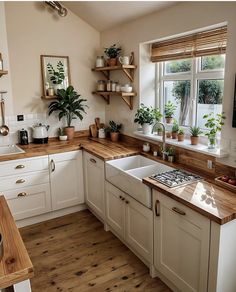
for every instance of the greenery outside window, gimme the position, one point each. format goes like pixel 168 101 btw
pixel 195 85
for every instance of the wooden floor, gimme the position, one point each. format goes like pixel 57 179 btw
pixel 74 253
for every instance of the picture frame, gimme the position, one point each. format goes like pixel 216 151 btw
pixel 55 72
pixel 234 107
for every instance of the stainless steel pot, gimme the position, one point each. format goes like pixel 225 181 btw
pixel 1 246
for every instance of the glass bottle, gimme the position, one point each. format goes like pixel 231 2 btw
pixel 101 85
pixel 109 84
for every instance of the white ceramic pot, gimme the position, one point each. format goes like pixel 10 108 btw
pixel 63 138
pixel 147 129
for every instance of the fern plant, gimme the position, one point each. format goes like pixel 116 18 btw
pixel 68 105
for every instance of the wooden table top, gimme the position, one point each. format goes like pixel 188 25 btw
pixel 15 265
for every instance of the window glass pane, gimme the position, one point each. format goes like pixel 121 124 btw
pixel 178 66
pixel 210 94
pixel 178 92
pixel 213 62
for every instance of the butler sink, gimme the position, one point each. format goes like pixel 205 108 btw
pixel 127 174
pixel 10 149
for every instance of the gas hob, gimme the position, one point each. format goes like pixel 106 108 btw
pixel 174 178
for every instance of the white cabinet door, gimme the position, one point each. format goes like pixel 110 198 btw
pixel 66 175
pixel 94 184
pixel 139 227
pixel 115 209
pixel 181 244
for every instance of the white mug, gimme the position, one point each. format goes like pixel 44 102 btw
pixel 126 60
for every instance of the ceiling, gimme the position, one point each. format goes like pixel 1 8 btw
pixel 104 15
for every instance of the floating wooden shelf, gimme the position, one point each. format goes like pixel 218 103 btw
pixel 49 97
pixel 126 96
pixel 127 69
pixel 3 72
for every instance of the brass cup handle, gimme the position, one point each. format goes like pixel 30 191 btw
pixel 93 160
pixel 177 210
pixel 20 166
pixel 157 212
pixel 23 194
pixel 20 181
pixel 127 202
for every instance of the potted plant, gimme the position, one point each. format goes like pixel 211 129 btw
pixel 70 106
pixel 169 111
pixel 214 124
pixel 181 135
pixel 175 130
pixel 112 53
pixel 145 117
pixel 170 154
pixel 114 130
pixel 195 132
pixel 61 134
pixel 157 117
pixel 56 76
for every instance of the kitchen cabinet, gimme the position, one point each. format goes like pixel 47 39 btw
pixel 94 184
pixel 66 177
pixel 181 244
pixel 25 185
pixel 130 220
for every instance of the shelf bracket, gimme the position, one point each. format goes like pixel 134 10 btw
pixel 106 98
pixel 128 100
pixel 106 74
pixel 129 74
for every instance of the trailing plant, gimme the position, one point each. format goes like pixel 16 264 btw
pixel 144 115
pixel 214 123
pixel 112 51
pixel 169 109
pixel 114 128
pixel 56 76
pixel 68 105
pixel 175 127
pixel 195 131
pixel 181 131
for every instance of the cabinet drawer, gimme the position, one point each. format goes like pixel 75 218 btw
pixel 23 180
pixel 23 165
pixel 93 160
pixel 29 201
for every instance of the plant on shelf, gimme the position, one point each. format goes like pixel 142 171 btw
pixel 194 134
pixel 70 106
pixel 181 135
pixel 214 124
pixel 169 111
pixel 114 130
pixel 145 117
pixel 57 76
pixel 175 130
pixel 112 53
pixel 170 152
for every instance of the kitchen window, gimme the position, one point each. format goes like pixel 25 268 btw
pixel 190 73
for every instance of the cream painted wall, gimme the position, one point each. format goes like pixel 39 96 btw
pixel 180 18
pixel 32 30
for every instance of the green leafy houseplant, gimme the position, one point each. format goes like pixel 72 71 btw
pixel 112 53
pixel 170 152
pixel 145 117
pixel 114 130
pixel 214 125
pixel 194 134
pixel 181 135
pixel 70 106
pixel 56 76
pixel 174 130
pixel 169 111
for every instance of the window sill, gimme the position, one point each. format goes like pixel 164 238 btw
pixel 200 148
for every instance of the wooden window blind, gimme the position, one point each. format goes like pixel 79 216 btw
pixel 206 43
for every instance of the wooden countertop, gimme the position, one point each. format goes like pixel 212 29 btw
pixel 204 197
pixel 15 265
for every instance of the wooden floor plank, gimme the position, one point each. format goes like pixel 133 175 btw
pixel 74 253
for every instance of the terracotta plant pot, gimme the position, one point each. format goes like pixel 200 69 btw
pixel 70 132
pixel 180 137
pixel 112 62
pixel 114 136
pixel 194 140
pixel 174 135
pixel 169 120
pixel 168 134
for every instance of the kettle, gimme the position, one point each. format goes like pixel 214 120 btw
pixel 40 134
